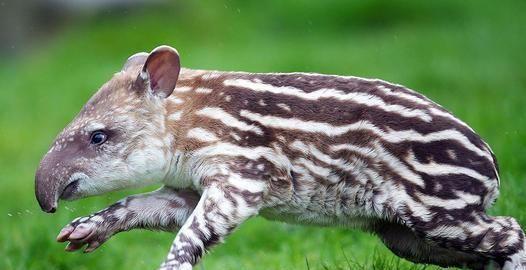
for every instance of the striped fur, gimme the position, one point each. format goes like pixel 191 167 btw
pixel 315 149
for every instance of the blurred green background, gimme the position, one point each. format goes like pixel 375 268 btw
pixel 468 56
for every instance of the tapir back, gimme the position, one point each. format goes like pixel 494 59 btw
pixel 350 143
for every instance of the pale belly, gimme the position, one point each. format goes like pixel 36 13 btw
pixel 318 219
pixel 327 201
pixel 340 205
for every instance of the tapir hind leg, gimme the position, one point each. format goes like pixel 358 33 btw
pixel 405 243
pixel 498 239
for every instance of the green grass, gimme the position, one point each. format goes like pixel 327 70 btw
pixel 466 55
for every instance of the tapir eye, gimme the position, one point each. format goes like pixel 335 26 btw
pixel 98 137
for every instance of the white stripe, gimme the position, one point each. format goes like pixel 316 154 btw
pixel 379 153
pixel 357 97
pixel 295 124
pixel 391 136
pixel 175 116
pixel 203 90
pixel 182 89
pixel 318 170
pixel 311 150
pixel 389 92
pixel 448 204
pixel 438 112
pixel 202 134
pixel 355 167
pixel 403 202
pixel 228 119
pixel 284 106
pixel 453 232
pixel 235 136
pixel 253 153
pixel 468 197
pixel 175 100
pixel 437 169
pixel 307 151
pixel 243 183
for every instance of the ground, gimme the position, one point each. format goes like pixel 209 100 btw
pixel 466 55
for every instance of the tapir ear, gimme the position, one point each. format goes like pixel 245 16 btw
pixel 161 70
pixel 137 59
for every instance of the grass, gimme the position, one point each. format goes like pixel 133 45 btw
pixel 466 55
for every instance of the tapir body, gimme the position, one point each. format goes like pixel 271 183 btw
pixel 299 147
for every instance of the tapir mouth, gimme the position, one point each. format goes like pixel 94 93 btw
pixel 49 190
pixel 69 190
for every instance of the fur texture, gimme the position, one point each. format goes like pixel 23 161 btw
pixel 300 148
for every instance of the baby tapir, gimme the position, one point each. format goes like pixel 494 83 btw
pixel 300 147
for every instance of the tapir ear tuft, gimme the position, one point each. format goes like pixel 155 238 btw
pixel 137 59
pixel 161 71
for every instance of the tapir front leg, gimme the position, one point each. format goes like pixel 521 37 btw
pixel 164 209
pixel 226 202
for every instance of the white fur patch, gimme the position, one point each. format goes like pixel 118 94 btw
pixel 228 119
pixel 202 134
pixel 175 116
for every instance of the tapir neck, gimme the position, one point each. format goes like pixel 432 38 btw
pixel 189 96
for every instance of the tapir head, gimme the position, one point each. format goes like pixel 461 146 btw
pixel 119 139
